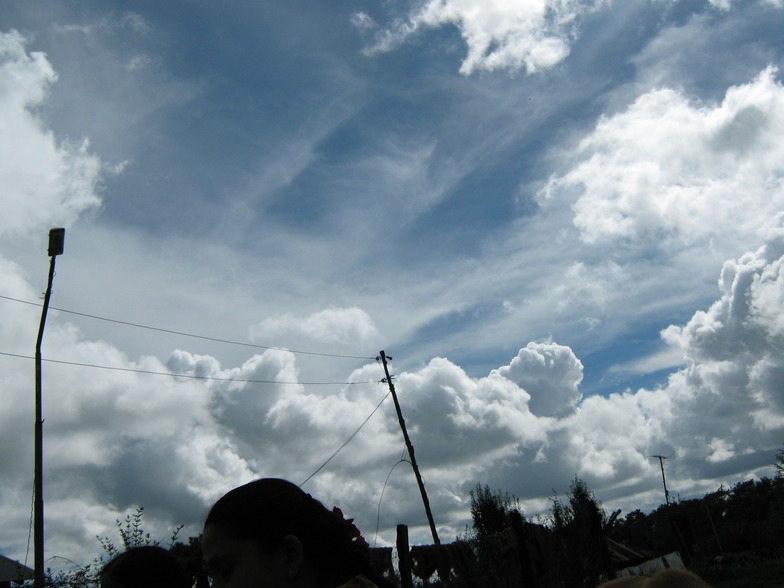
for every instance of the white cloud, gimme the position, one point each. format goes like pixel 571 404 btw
pixel 128 20
pixel 183 442
pixel 551 374
pixel 664 359
pixel 135 22
pixel 138 62
pixel 116 439
pixel 670 171
pixel 363 21
pixel 718 417
pixel 98 428
pixel 726 5
pixel 335 325
pixel 734 348
pixel 500 34
pixel 712 417
pixel 45 182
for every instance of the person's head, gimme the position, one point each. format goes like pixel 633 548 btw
pixel 271 533
pixel 148 566
pixel 662 579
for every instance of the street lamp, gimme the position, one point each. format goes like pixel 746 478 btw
pixel 56 242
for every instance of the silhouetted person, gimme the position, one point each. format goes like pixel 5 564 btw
pixel 148 566
pixel 270 533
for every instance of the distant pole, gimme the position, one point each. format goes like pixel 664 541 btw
pixel 410 448
pixel 56 241
pixel 661 459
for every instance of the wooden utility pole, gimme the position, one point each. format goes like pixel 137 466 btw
pixel 661 459
pixel 56 241
pixel 410 448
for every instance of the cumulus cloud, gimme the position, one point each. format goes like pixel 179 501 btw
pixel 45 182
pixel 718 418
pixel 724 405
pixel 746 377
pixel 551 374
pixel 115 439
pixel 671 171
pixel 511 35
pixel 182 442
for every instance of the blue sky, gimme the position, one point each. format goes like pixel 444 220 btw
pixel 560 219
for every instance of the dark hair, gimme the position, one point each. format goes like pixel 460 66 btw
pixel 267 510
pixel 148 566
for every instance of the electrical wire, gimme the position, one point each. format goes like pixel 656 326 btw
pixel 193 377
pixel 347 441
pixel 211 378
pixel 184 334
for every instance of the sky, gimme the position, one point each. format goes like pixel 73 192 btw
pixel 562 219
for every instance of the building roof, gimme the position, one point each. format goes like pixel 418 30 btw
pixel 13 571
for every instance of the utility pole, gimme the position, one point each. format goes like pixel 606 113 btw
pixel 410 448
pixel 661 459
pixel 56 242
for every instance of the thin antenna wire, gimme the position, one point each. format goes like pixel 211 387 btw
pixel 380 498
pixel 30 529
pixel 70 561
pixel 346 442
pixel 193 377
pixel 183 334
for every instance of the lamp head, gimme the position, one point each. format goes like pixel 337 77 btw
pixel 56 242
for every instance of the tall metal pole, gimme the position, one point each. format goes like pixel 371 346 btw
pixel 661 459
pixel 410 448
pixel 56 238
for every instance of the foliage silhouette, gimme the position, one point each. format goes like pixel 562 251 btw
pixel 578 527
pixel 492 512
pixel 132 534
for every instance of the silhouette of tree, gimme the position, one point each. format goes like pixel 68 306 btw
pixel 579 530
pixel 492 512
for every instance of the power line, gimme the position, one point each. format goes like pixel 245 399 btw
pixel 184 334
pixel 346 442
pixel 193 377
